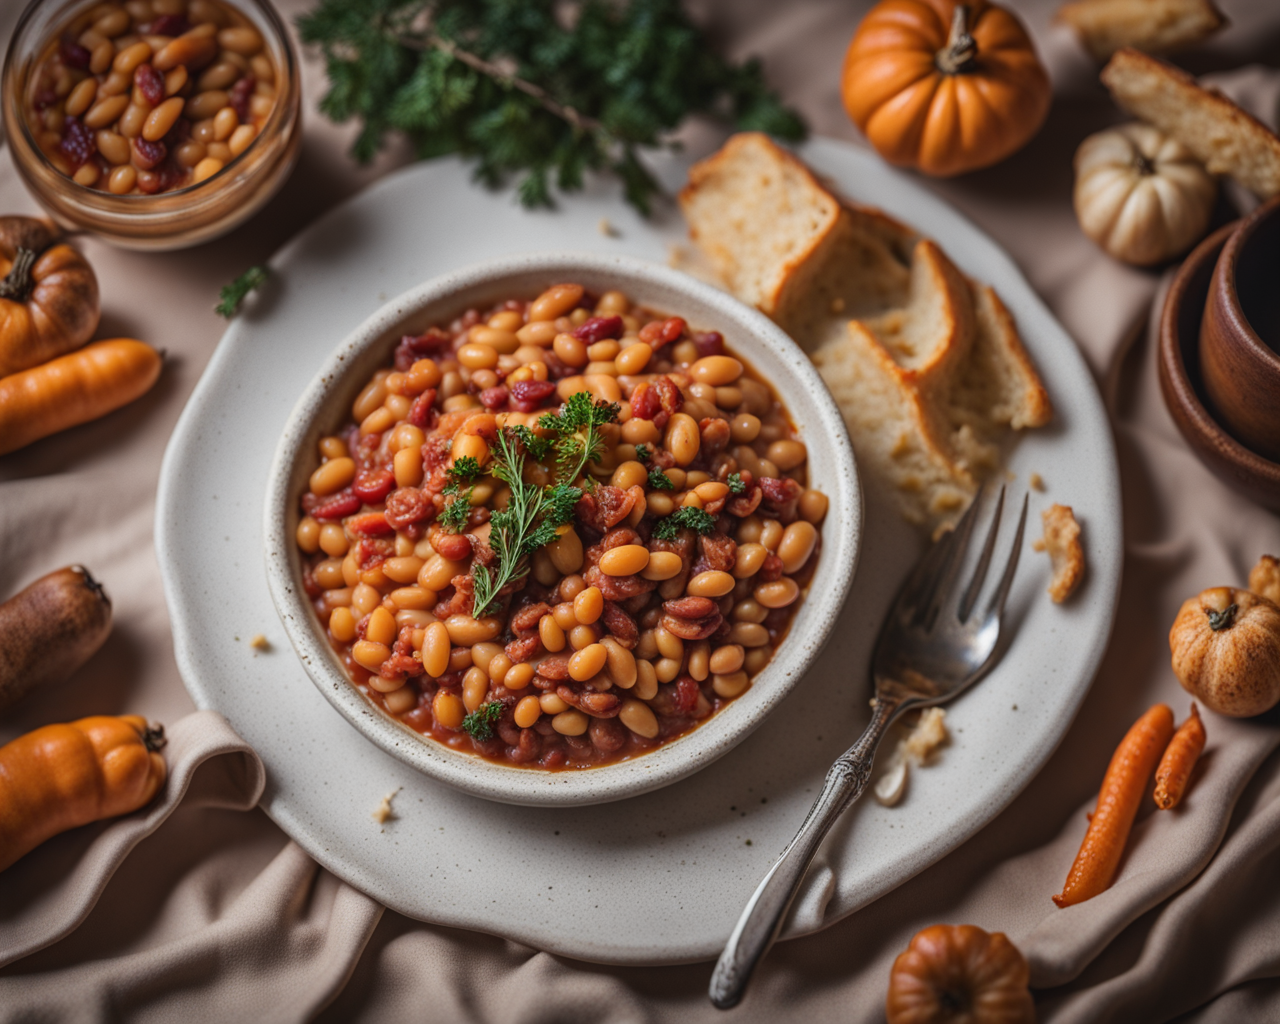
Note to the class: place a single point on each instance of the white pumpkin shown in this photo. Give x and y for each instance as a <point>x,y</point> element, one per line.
<point>1142,196</point>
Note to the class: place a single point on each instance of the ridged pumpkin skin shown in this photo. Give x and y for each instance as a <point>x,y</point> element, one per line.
<point>916,114</point>
<point>1235,669</point>
<point>959,974</point>
<point>58,311</point>
<point>63,776</point>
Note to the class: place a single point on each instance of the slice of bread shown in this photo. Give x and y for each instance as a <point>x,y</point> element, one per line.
<point>1152,26</point>
<point>926,365</point>
<point>1226,139</point>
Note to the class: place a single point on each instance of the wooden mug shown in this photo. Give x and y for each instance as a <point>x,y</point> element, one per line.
<point>1240,333</point>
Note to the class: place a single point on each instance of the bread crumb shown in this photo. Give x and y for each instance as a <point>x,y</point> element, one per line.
<point>607,229</point>
<point>1037,482</point>
<point>1038,544</point>
<point>1264,580</point>
<point>918,748</point>
<point>259,642</point>
<point>384,813</point>
<point>1062,541</point>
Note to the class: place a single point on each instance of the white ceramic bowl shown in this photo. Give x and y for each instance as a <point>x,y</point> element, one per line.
<point>326,404</point>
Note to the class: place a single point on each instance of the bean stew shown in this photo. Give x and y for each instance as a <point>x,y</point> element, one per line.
<point>560,532</point>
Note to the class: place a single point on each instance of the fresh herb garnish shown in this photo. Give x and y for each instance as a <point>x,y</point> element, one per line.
<point>461,474</point>
<point>659,481</point>
<point>480,722</point>
<point>642,453</point>
<point>537,447</point>
<point>685,517</point>
<point>576,431</point>
<point>453,517</point>
<point>515,531</point>
<point>233,294</point>
<point>528,89</point>
<point>736,486</point>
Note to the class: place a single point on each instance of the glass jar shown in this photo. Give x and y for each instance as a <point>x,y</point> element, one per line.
<point>165,220</point>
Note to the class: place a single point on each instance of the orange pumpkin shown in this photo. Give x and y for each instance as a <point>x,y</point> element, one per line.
<point>943,86</point>
<point>48,295</point>
<point>959,974</point>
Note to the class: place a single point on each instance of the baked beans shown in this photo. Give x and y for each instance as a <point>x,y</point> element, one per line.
<point>652,604</point>
<point>131,99</point>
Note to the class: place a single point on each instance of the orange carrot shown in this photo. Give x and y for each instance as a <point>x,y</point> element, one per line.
<point>1118,800</point>
<point>1180,757</point>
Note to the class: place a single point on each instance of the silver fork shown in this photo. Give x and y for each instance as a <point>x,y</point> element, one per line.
<point>931,647</point>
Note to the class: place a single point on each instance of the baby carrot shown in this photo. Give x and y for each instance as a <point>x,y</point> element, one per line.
<point>1180,757</point>
<point>1118,800</point>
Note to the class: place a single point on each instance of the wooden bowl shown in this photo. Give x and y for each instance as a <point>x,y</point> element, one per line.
<point>1240,333</point>
<point>1231,462</point>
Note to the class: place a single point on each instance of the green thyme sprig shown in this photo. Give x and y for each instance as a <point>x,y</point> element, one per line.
<point>529,90</point>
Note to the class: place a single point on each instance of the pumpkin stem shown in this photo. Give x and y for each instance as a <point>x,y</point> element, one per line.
<point>17,283</point>
<point>961,51</point>
<point>153,738</point>
<point>1224,619</point>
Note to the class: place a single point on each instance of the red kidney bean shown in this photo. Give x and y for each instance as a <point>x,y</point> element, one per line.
<point>709,343</point>
<point>147,155</point>
<point>686,694</point>
<point>77,143</point>
<point>241,92</point>
<point>73,54</point>
<point>150,83</point>
<point>528,395</point>
<point>172,25</point>
<point>598,328</point>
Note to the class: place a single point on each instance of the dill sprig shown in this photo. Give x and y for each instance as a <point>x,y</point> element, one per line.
<point>233,294</point>
<point>540,89</point>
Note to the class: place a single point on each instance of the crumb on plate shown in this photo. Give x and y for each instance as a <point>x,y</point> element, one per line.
<point>384,813</point>
<point>259,642</point>
<point>1066,555</point>
<point>1037,482</point>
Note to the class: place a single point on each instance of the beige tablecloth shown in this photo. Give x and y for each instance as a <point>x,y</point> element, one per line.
<point>201,909</point>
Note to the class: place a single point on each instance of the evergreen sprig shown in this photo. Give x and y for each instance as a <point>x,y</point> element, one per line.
<point>535,88</point>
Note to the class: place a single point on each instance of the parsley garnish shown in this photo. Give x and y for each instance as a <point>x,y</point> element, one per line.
<point>576,430</point>
<point>454,515</point>
<point>642,453</point>
<point>686,516</point>
<point>538,447</point>
<point>235,293</point>
<point>461,474</point>
<point>659,481</point>
<point>480,722</point>
<point>524,89</point>
<point>736,486</point>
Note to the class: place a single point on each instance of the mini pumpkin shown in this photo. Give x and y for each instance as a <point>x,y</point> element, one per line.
<point>1226,651</point>
<point>959,974</point>
<point>1142,196</point>
<point>48,295</point>
<point>944,86</point>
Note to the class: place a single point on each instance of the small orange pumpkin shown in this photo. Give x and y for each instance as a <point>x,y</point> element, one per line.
<point>48,295</point>
<point>944,86</point>
<point>959,974</point>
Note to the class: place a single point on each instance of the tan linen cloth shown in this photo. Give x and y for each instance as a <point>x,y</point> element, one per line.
<point>199,908</point>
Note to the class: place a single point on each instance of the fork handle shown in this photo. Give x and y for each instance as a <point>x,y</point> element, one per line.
<point>764,913</point>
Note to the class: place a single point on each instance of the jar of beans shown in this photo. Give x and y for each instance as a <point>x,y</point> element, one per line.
<point>561,531</point>
<point>155,122</point>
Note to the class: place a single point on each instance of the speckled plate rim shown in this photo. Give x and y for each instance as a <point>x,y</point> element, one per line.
<point>769,350</point>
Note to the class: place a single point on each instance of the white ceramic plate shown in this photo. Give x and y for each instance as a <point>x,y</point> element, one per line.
<point>771,354</point>
<point>660,878</point>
